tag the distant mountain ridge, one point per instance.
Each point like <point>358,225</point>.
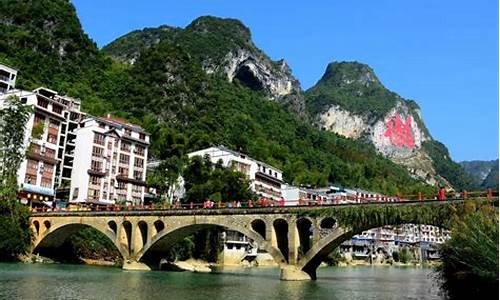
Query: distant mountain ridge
<point>483,172</point>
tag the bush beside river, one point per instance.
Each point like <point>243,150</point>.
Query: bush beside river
<point>470,258</point>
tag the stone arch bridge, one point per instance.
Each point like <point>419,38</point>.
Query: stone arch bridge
<point>284,232</point>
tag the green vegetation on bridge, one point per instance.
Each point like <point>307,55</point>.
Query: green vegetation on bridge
<point>363,217</point>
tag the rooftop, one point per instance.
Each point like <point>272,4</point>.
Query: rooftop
<point>239,154</point>
<point>119,122</point>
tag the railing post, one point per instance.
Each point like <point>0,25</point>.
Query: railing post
<point>465,194</point>
<point>419,196</point>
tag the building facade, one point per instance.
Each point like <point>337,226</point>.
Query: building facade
<point>387,239</point>
<point>265,180</point>
<point>111,162</point>
<point>7,78</point>
<point>44,143</point>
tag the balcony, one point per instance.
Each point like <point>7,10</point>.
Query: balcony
<point>126,179</point>
<point>36,154</point>
<point>96,172</point>
<point>267,179</point>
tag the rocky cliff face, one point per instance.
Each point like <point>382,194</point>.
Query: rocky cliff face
<point>223,47</point>
<point>350,100</point>
<point>483,173</point>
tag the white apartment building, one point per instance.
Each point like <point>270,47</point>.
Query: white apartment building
<point>37,173</point>
<point>111,162</point>
<point>265,180</point>
<point>7,78</point>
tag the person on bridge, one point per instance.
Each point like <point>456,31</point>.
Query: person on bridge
<point>318,200</point>
<point>442,193</point>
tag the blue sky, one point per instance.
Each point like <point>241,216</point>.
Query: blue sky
<point>443,54</point>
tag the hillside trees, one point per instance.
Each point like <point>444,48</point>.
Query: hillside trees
<point>15,234</point>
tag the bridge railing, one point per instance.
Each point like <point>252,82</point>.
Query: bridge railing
<point>357,199</point>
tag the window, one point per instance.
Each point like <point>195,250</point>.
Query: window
<point>136,188</point>
<point>96,166</point>
<point>97,151</point>
<point>30,179</point>
<point>32,166</point>
<point>95,180</point>
<point>123,171</point>
<point>54,124</point>
<point>57,108</point>
<point>142,136</point>
<point>75,193</point>
<point>128,132</point>
<point>93,194</point>
<point>139,162</point>
<point>138,175</point>
<point>51,138</point>
<point>98,138</point>
<point>46,182</point>
<point>122,185</point>
<point>139,150</point>
<point>110,145</point>
<point>125,147</point>
<point>48,169</point>
<point>102,125</point>
<point>275,174</point>
<point>124,159</point>
<point>50,153</point>
<point>42,102</point>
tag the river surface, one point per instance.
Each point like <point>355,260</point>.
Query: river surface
<point>59,281</point>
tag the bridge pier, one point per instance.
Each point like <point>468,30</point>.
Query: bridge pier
<point>292,273</point>
<point>132,265</point>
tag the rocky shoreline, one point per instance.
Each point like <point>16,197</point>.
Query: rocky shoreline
<point>201,266</point>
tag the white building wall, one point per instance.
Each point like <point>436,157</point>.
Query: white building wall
<point>81,164</point>
<point>229,157</point>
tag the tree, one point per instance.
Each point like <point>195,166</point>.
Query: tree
<point>13,119</point>
<point>166,177</point>
<point>15,234</point>
<point>203,180</point>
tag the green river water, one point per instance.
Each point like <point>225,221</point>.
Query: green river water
<point>59,281</point>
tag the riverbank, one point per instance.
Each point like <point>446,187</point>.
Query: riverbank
<point>202,266</point>
<point>364,263</point>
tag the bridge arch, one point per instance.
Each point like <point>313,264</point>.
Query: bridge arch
<point>339,234</point>
<point>54,234</point>
<point>259,226</point>
<point>169,236</point>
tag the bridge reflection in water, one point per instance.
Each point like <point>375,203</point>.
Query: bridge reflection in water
<point>142,237</point>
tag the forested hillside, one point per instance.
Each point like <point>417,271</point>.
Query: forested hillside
<point>169,92</point>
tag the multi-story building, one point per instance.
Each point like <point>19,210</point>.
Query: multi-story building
<point>66,141</point>
<point>265,180</point>
<point>7,78</point>
<point>391,238</point>
<point>111,162</point>
<point>37,173</point>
